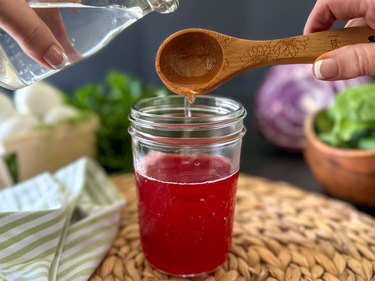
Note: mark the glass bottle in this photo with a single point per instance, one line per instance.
(186, 161)
(81, 26)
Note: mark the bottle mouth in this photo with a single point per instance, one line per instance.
(173, 121)
(164, 6)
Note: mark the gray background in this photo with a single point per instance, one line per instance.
(133, 51)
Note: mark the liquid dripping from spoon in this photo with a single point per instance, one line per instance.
(188, 101)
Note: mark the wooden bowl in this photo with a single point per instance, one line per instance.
(347, 174)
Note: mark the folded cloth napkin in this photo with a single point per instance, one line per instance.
(58, 227)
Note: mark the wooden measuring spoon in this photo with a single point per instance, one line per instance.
(195, 61)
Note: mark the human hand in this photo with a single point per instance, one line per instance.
(349, 61)
(32, 34)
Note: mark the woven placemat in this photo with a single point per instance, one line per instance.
(280, 233)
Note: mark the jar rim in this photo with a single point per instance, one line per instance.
(233, 109)
(214, 120)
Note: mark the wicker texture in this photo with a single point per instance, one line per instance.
(280, 233)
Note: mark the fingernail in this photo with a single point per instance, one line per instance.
(325, 69)
(56, 58)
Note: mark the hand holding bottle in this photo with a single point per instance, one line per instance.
(31, 32)
(350, 61)
(39, 42)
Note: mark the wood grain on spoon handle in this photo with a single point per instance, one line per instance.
(298, 49)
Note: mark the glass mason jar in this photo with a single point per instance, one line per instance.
(186, 160)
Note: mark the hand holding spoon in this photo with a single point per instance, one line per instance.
(195, 61)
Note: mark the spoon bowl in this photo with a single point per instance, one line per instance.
(191, 57)
(195, 61)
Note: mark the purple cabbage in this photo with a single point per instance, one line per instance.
(287, 95)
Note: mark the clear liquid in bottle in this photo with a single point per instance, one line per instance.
(81, 28)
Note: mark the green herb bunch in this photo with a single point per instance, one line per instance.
(112, 102)
(350, 122)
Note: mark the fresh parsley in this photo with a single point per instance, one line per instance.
(112, 101)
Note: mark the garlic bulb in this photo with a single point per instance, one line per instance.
(60, 114)
(37, 99)
(16, 125)
(6, 107)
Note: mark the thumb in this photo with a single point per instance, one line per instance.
(31, 33)
(346, 62)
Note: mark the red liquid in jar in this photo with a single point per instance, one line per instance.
(186, 206)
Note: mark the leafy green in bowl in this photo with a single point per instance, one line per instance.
(350, 122)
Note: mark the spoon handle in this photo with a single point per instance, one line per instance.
(301, 49)
(309, 47)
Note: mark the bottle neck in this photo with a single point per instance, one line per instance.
(164, 6)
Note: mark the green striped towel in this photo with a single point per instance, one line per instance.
(58, 227)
